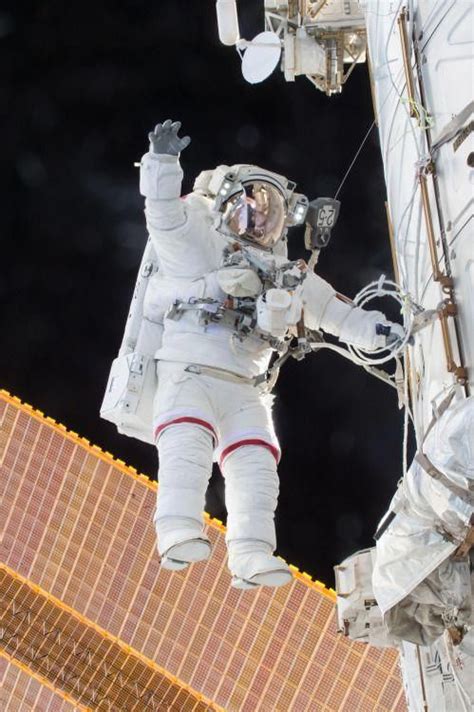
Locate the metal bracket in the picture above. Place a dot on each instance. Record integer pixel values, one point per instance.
(448, 309)
(402, 27)
(438, 276)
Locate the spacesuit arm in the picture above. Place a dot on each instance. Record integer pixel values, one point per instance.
(324, 309)
(160, 183)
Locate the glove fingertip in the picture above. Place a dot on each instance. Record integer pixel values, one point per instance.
(186, 140)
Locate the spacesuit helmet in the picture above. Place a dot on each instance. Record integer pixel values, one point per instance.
(257, 213)
(252, 204)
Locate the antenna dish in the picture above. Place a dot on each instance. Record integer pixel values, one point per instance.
(261, 57)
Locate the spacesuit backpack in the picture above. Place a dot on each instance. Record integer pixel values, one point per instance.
(132, 383)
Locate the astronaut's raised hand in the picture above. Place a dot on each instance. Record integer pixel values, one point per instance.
(161, 175)
(164, 140)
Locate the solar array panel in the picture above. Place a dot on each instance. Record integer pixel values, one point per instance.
(78, 524)
(21, 690)
(76, 657)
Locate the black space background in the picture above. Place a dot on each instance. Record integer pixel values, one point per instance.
(82, 84)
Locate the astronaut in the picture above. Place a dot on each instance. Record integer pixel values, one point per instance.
(221, 297)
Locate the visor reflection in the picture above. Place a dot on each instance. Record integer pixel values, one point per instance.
(258, 213)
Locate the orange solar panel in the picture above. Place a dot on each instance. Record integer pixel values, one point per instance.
(79, 525)
(71, 654)
(21, 690)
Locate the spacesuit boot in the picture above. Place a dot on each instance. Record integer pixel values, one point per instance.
(252, 564)
(251, 497)
(185, 453)
(190, 543)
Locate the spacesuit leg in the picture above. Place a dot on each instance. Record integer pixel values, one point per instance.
(185, 440)
(185, 453)
(248, 453)
(251, 477)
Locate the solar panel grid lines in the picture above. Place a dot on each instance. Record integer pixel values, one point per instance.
(310, 670)
(393, 692)
(62, 532)
(274, 651)
(24, 690)
(26, 449)
(184, 592)
(8, 418)
(70, 435)
(278, 622)
(355, 659)
(26, 664)
(336, 693)
(11, 461)
(18, 507)
(306, 650)
(236, 660)
(152, 634)
(149, 601)
(361, 678)
(66, 648)
(313, 671)
(262, 668)
(206, 628)
(184, 637)
(108, 549)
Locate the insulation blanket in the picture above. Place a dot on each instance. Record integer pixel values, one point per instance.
(420, 588)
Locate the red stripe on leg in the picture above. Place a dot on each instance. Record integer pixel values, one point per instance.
(250, 441)
(186, 419)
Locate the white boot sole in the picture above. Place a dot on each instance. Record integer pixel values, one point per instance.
(173, 564)
(187, 552)
(275, 578)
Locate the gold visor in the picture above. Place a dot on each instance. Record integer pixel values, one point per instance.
(257, 213)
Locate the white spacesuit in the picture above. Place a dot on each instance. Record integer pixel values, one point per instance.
(220, 297)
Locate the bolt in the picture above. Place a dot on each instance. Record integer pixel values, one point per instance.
(470, 160)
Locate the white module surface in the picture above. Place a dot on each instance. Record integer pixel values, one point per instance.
(442, 36)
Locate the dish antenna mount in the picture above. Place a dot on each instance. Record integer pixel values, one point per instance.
(260, 56)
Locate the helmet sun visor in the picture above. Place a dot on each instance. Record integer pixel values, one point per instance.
(257, 214)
